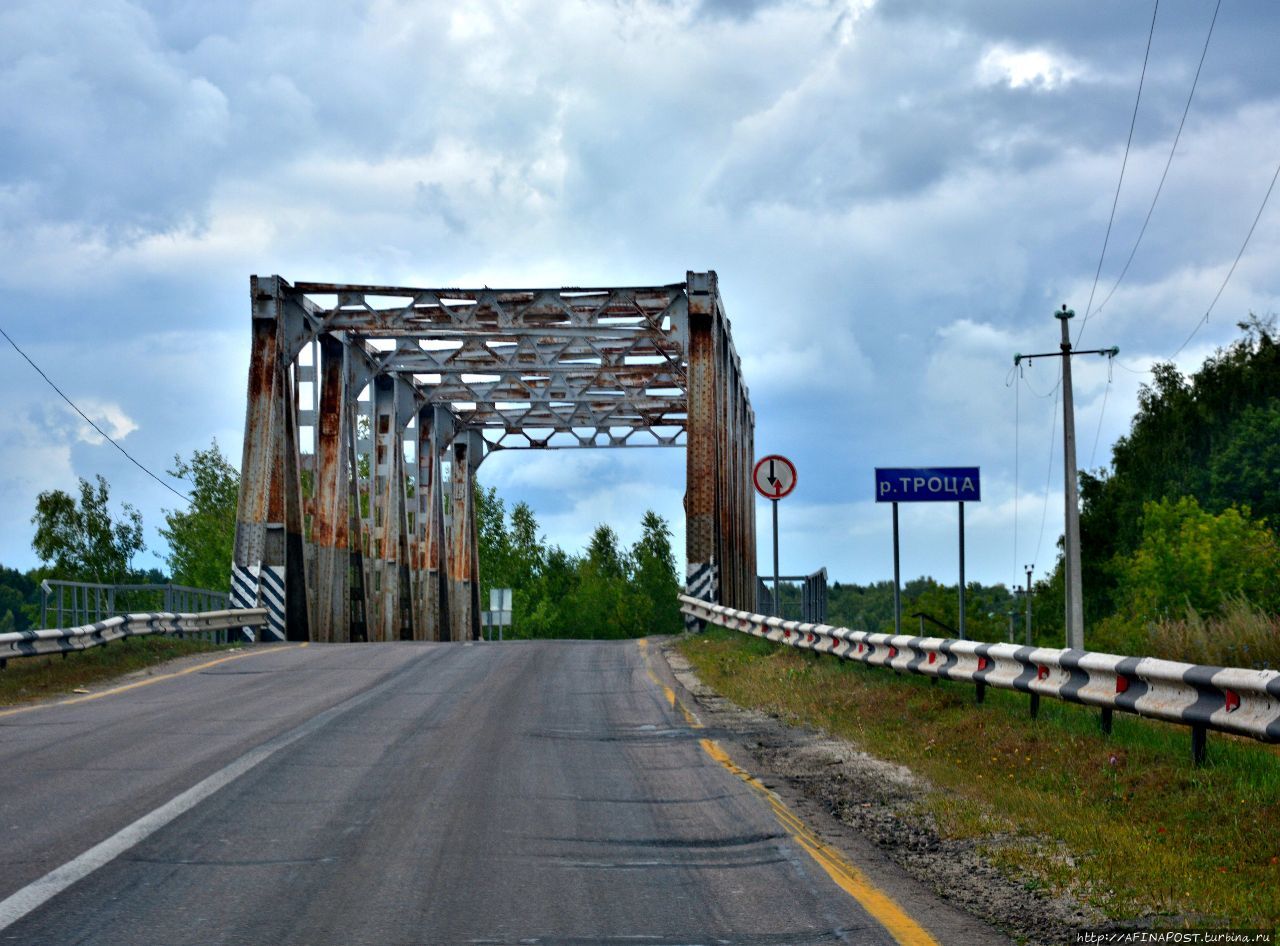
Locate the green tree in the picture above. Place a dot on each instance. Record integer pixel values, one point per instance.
(202, 537)
(1213, 435)
(82, 540)
(1189, 557)
(655, 582)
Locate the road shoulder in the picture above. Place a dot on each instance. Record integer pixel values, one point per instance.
(870, 810)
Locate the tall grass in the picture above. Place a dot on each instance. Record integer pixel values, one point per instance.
(1242, 635)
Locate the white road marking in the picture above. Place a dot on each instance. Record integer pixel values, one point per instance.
(40, 891)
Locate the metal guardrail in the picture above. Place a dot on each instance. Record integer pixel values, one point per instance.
(74, 603)
(65, 640)
(1226, 699)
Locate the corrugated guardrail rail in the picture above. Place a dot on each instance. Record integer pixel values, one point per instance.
(64, 640)
(1227, 699)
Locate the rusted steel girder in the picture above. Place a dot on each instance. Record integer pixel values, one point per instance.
(358, 395)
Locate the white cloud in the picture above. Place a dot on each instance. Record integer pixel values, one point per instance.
(1023, 68)
(109, 417)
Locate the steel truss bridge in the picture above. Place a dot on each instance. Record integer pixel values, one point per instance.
(371, 407)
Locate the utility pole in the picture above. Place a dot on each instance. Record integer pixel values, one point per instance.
(1074, 600)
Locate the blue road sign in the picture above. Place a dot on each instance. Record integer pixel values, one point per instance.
(931, 484)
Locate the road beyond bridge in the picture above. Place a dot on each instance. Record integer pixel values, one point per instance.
(548, 792)
(370, 408)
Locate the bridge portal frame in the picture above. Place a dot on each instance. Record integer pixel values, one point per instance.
(370, 408)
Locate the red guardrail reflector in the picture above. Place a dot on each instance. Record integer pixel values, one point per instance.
(1042, 672)
(1232, 701)
(932, 656)
(1122, 683)
(893, 652)
(786, 632)
(982, 663)
(812, 637)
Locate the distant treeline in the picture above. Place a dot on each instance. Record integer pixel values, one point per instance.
(606, 592)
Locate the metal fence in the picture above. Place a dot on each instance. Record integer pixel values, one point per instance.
(1227, 699)
(74, 603)
(813, 596)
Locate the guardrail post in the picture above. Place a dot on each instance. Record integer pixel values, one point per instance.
(1035, 705)
(1199, 738)
(980, 692)
(1105, 721)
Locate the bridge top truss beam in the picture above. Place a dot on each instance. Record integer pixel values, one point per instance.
(529, 368)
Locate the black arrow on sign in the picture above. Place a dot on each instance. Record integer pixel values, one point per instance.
(773, 480)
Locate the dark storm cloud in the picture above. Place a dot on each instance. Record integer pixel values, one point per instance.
(895, 196)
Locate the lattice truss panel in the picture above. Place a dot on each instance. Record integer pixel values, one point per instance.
(370, 408)
(539, 368)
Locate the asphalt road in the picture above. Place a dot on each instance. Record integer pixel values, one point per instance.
(525, 792)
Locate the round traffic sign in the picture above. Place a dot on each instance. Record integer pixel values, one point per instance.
(774, 476)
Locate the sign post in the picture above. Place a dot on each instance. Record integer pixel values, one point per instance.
(957, 484)
(774, 477)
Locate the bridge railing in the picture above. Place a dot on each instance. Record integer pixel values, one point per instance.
(213, 624)
(813, 595)
(1226, 699)
(73, 603)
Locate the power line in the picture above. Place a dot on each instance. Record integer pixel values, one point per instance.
(1258, 216)
(1168, 162)
(1052, 390)
(90, 422)
(1101, 414)
(1123, 164)
(1053, 427)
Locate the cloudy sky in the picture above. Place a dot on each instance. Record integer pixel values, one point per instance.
(895, 194)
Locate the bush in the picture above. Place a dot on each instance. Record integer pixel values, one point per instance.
(1190, 558)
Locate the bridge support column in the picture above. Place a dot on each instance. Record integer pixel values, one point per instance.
(331, 521)
(433, 595)
(719, 510)
(700, 459)
(464, 552)
(391, 613)
(268, 563)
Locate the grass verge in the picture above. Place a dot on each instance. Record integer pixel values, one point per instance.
(37, 678)
(1148, 835)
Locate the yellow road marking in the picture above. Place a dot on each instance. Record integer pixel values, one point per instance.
(852, 881)
(147, 682)
(848, 878)
(670, 694)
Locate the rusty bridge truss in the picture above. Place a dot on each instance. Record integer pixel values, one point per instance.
(370, 408)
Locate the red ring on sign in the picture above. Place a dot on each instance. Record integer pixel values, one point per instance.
(762, 490)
